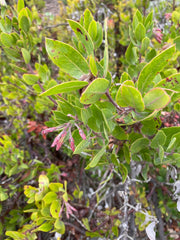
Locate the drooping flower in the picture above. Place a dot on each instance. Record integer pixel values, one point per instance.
(69, 209)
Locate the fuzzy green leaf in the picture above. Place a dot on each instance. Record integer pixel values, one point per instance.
(94, 91)
(140, 32)
(129, 96)
(156, 65)
(26, 55)
(159, 139)
(67, 58)
(139, 144)
(94, 162)
(83, 36)
(7, 39)
(156, 98)
(64, 87)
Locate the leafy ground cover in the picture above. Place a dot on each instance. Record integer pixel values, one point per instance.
(90, 117)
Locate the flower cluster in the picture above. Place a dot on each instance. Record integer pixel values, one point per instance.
(60, 138)
(158, 34)
(168, 16)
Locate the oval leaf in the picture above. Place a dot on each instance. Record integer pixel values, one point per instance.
(129, 96)
(55, 208)
(67, 58)
(140, 32)
(153, 67)
(139, 144)
(156, 98)
(64, 87)
(94, 91)
(159, 139)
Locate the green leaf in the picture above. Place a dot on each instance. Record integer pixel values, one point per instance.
(161, 153)
(67, 58)
(26, 55)
(123, 171)
(131, 54)
(20, 5)
(88, 18)
(30, 78)
(159, 139)
(153, 67)
(145, 44)
(14, 67)
(139, 144)
(43, 181)
(60, 226)
(119, 133)
(99, 36)
(125, 76)
(82, 146)
(156, 98)
(94, 162)
(83, 36)
(94, 91)
(150, 55)
(148, 19)
(64, 87)
(92, 30)
(24, 24)
(55, 208)
(177, 42)
(171, 82)
(129, 96)
(169, 132)
(127, 154)
(49, 197)
(7, 39)
(45, 227)
(55, 187)
(106, 56)
(93, 66)
(3, 195)
(140, 32)
(15, 235)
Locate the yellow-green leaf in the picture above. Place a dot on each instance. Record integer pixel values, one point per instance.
(156, 98)
(94, 91)
(64, 87)
(67, 58)
(156, 65)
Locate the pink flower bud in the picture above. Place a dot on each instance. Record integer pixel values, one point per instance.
(158, 34)
(58, 141)
(47, 130)
(71, 142)
(168, 16)
(61, 140)
(81, 133)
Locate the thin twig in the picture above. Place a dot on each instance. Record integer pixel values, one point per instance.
(112, 101)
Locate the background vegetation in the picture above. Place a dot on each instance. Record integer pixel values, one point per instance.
(90, 145)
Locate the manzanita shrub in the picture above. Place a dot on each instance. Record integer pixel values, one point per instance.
(114, 127)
